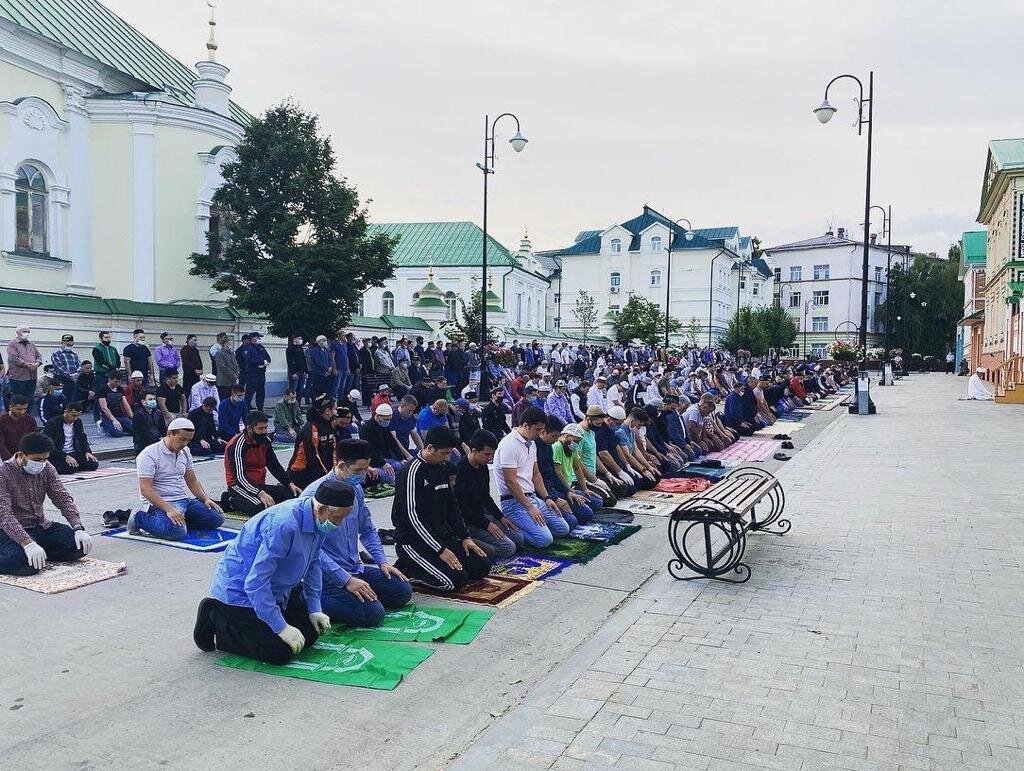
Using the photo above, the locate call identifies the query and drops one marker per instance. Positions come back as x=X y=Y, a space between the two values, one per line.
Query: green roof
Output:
x=974 y=244
x=429 y=302
x=442 y=244
x=76 y=303
x=90 y=28
x=407 y=322
x=368 y=322
x=37 y=301
x=1008 y=153
x=175 y=311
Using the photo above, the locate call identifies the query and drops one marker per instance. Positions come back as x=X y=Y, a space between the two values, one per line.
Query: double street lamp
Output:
x=668 y=271
x=518 y=142
x=824 y=114
x=887 y=232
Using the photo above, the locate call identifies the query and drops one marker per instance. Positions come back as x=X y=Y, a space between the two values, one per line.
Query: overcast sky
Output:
x=701 y=109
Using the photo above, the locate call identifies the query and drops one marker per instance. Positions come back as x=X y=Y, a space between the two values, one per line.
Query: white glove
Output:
x=321 y=622
x=36 y=555
x=292 y=637
x=83 y=541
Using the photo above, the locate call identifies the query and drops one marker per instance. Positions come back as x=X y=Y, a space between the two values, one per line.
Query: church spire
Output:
x=211 y=92
x=211 y=44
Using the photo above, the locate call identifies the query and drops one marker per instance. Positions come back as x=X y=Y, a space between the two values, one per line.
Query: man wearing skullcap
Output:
x=264 y=601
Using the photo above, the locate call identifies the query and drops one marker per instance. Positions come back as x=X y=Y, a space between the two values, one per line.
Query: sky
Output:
x=700 y=109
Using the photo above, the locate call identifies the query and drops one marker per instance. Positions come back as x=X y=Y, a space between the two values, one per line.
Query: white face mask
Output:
x=34 y=466
x=24 y=335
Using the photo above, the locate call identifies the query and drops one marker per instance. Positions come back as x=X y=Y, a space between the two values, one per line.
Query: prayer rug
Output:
x=379 y=491
x=567 y=549
x=237 y=516
x=613 y=515
x=194 y=540
x=657 y=497
x=497 y=591
x=800 y=414
x=706 y=473
x=413 y=624
x=359 y=663
x=100 y=473
x=780 y=427
x=530 y=568
x=58 y=577
x=747 y=450
x=650 y=508
x=689 y=485
x=604 y=532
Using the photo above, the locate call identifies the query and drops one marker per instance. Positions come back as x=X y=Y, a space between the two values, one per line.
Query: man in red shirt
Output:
x=796 y=387
x=383 y=396
x=247 y=458
x=14 y=424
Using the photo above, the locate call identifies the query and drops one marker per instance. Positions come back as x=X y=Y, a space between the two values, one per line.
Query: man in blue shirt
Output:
x=230 y=412
x=256 y=360
x=339 y=353
x=354 y=593
x=264 y=601
x=733 y=417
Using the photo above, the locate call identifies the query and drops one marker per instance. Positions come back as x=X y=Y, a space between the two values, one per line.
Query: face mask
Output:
x=141 y=341
x=298 y=341
x=326 y=526
x=356 y=479
x=236 y=399
x=68 y=346
x=289 y=401
x=151 y=403
x=34 y=466
x=193 y=343
x=384 y=423
x=24 y=335
x=58 y=392
x=323 y=344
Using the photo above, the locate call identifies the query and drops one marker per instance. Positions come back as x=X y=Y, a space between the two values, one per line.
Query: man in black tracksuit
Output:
x=433 y=544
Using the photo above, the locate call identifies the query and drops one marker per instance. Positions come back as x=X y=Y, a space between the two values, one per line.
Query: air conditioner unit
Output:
x=614 y=290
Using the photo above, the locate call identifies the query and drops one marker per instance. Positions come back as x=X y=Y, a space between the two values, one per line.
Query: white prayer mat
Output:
x=780 y=427
x=650 y=508
x=100 y=473
x=58 y=577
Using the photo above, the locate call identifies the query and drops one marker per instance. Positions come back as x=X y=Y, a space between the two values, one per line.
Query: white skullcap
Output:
x=181 y=424
x=354 y=394
x=384 y=409
x=616 y=412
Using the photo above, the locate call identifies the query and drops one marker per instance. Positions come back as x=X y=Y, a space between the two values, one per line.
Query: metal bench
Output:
x=746 y=499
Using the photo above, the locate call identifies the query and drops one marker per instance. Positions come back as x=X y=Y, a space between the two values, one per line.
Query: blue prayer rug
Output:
x=194 y=540
x=706 y=472
x=529 y=567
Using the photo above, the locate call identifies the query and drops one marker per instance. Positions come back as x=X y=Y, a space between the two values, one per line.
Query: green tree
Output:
x=928 y=329
x=642 y=320
x=744 y=332
x=298 y=250
x=585 y=312
x=694 y=330
x=468 y=329
x=776 y=325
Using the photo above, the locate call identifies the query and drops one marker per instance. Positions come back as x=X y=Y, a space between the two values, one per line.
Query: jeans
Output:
x=118 y=427
x=535 y=535
x=281 y=436
x=197 y=517
x=496 y=548
x=57 y=540
x=344 y=607
x=256 y=385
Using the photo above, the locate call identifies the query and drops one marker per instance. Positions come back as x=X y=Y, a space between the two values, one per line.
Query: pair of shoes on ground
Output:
x=116 y=518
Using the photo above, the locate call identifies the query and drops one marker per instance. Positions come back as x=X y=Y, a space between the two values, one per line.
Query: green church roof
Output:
x=91 y=29
x=442 y=244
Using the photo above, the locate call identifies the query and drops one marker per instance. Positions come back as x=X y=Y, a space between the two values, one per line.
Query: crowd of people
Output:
x=566 y=429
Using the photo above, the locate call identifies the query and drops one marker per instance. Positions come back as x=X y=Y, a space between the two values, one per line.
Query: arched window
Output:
x=449 y=300
x=655 y=277
x=616 y=246
x=656 y=243
x=30 y=210
x=218 y=225
x=389 y=304
x=616 y=279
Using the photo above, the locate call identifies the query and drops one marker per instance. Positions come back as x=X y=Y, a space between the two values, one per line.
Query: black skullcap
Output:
x=353 y=449
x=335 y=494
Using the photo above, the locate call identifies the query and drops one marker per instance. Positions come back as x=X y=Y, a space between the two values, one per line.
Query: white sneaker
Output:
x=99 y=424
x=132 y=528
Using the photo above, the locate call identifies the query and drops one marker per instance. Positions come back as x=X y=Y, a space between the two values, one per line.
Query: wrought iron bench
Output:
x=746 y=499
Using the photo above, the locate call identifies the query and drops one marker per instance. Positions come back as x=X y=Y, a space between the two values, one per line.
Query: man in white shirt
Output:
x=976 y=387
x=524 y=498
x=207 y=386
x=596 y=396
x=616 y=396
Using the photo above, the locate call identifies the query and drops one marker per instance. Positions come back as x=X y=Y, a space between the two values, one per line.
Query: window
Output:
x=878 y=274
x=616 y=246
x=529 y=312
x=361 y=308
x=557 y=323
x=656 y=243
x=777 y=298
x=449 y=300
x=519 y=310
x=558 y=297
x=819 y=323
x=388 y=304
x=820 y=297
x=795 y=272
x=614 y=309
x=743 y=283
x=756 y=291
x=818 y=349
x=616 y=280
x=821 y=272
x=778 y=275
x=655 y=277
x=30 y=210
x=794 y=299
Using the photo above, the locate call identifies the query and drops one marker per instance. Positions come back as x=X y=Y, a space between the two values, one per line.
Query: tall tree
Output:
x=298 y=250
x=694 y=330
x=744 y=332
x=926 y=322
x=642 y=319
x=777 y=326
x=468 y=329
x=585 y=312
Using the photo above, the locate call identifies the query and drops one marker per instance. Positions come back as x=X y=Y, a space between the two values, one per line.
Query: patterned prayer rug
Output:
x=747 y=450
x=497 y=591
x=100 y=473
x=530 y=568
x=781 y=427
x=635 y=505
x=59 y=577
x=195 y=540
x=567 y=549
x=413 y=624
x=658 y=497
x=682 y=485
x=604 y=532
x=379 y=491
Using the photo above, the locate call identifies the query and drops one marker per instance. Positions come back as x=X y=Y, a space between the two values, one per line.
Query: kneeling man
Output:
x=264 y=601
x=354 y=593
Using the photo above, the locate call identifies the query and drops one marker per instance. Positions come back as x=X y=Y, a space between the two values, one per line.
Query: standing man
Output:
x=106 y=360
x=138 y=357
x=321 y=363
x=339 y=354
x=226 y=364
x=298 y=369
x=256 y=361
x=66 y=366
x=27 y=537
x=264 y=602
x=23 y=362
x=166 y=356
x=71 y=450
x=191 y=363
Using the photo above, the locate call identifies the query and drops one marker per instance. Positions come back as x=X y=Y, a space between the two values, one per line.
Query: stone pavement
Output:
x=884 y=631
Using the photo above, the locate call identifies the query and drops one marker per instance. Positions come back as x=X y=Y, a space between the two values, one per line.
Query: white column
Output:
x=7 y=215
x=143 y=212
x=81 y=213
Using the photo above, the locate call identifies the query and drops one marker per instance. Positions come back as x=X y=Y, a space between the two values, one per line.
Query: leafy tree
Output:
x=928 y=329
x=642 y=319
x=694 y=330
x=468 y=329
x=298 y=250
x=777 y=326
x=585 y=312
x=744 y=332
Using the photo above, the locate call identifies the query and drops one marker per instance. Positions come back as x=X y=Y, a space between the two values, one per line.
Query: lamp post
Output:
x=518 y=142
x=711 y=295
x=782 y=286
x=668 y=270
x=824 y=114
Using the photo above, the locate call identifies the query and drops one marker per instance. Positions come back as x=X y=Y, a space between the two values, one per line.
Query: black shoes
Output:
x=202 y=634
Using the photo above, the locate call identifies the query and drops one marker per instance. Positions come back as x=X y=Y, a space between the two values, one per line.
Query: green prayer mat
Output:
x=339 y=661
x=413 y=624
x=566 y=548
x=626 y=532
x=379 y=491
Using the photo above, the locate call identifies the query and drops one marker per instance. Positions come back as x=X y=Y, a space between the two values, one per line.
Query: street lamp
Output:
x=782 y=286
x=711 y=294
x=668 y=271
x=518 y=142
x=824 y=114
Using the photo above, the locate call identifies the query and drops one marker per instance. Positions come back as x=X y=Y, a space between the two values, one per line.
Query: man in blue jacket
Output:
x=256 y=360
x=264 y=601
x=321 y=367
x=733 y=417
x=339 y=352
x=230 y=413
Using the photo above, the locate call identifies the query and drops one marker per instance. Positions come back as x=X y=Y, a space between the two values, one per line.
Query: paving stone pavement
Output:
x=884 y=631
